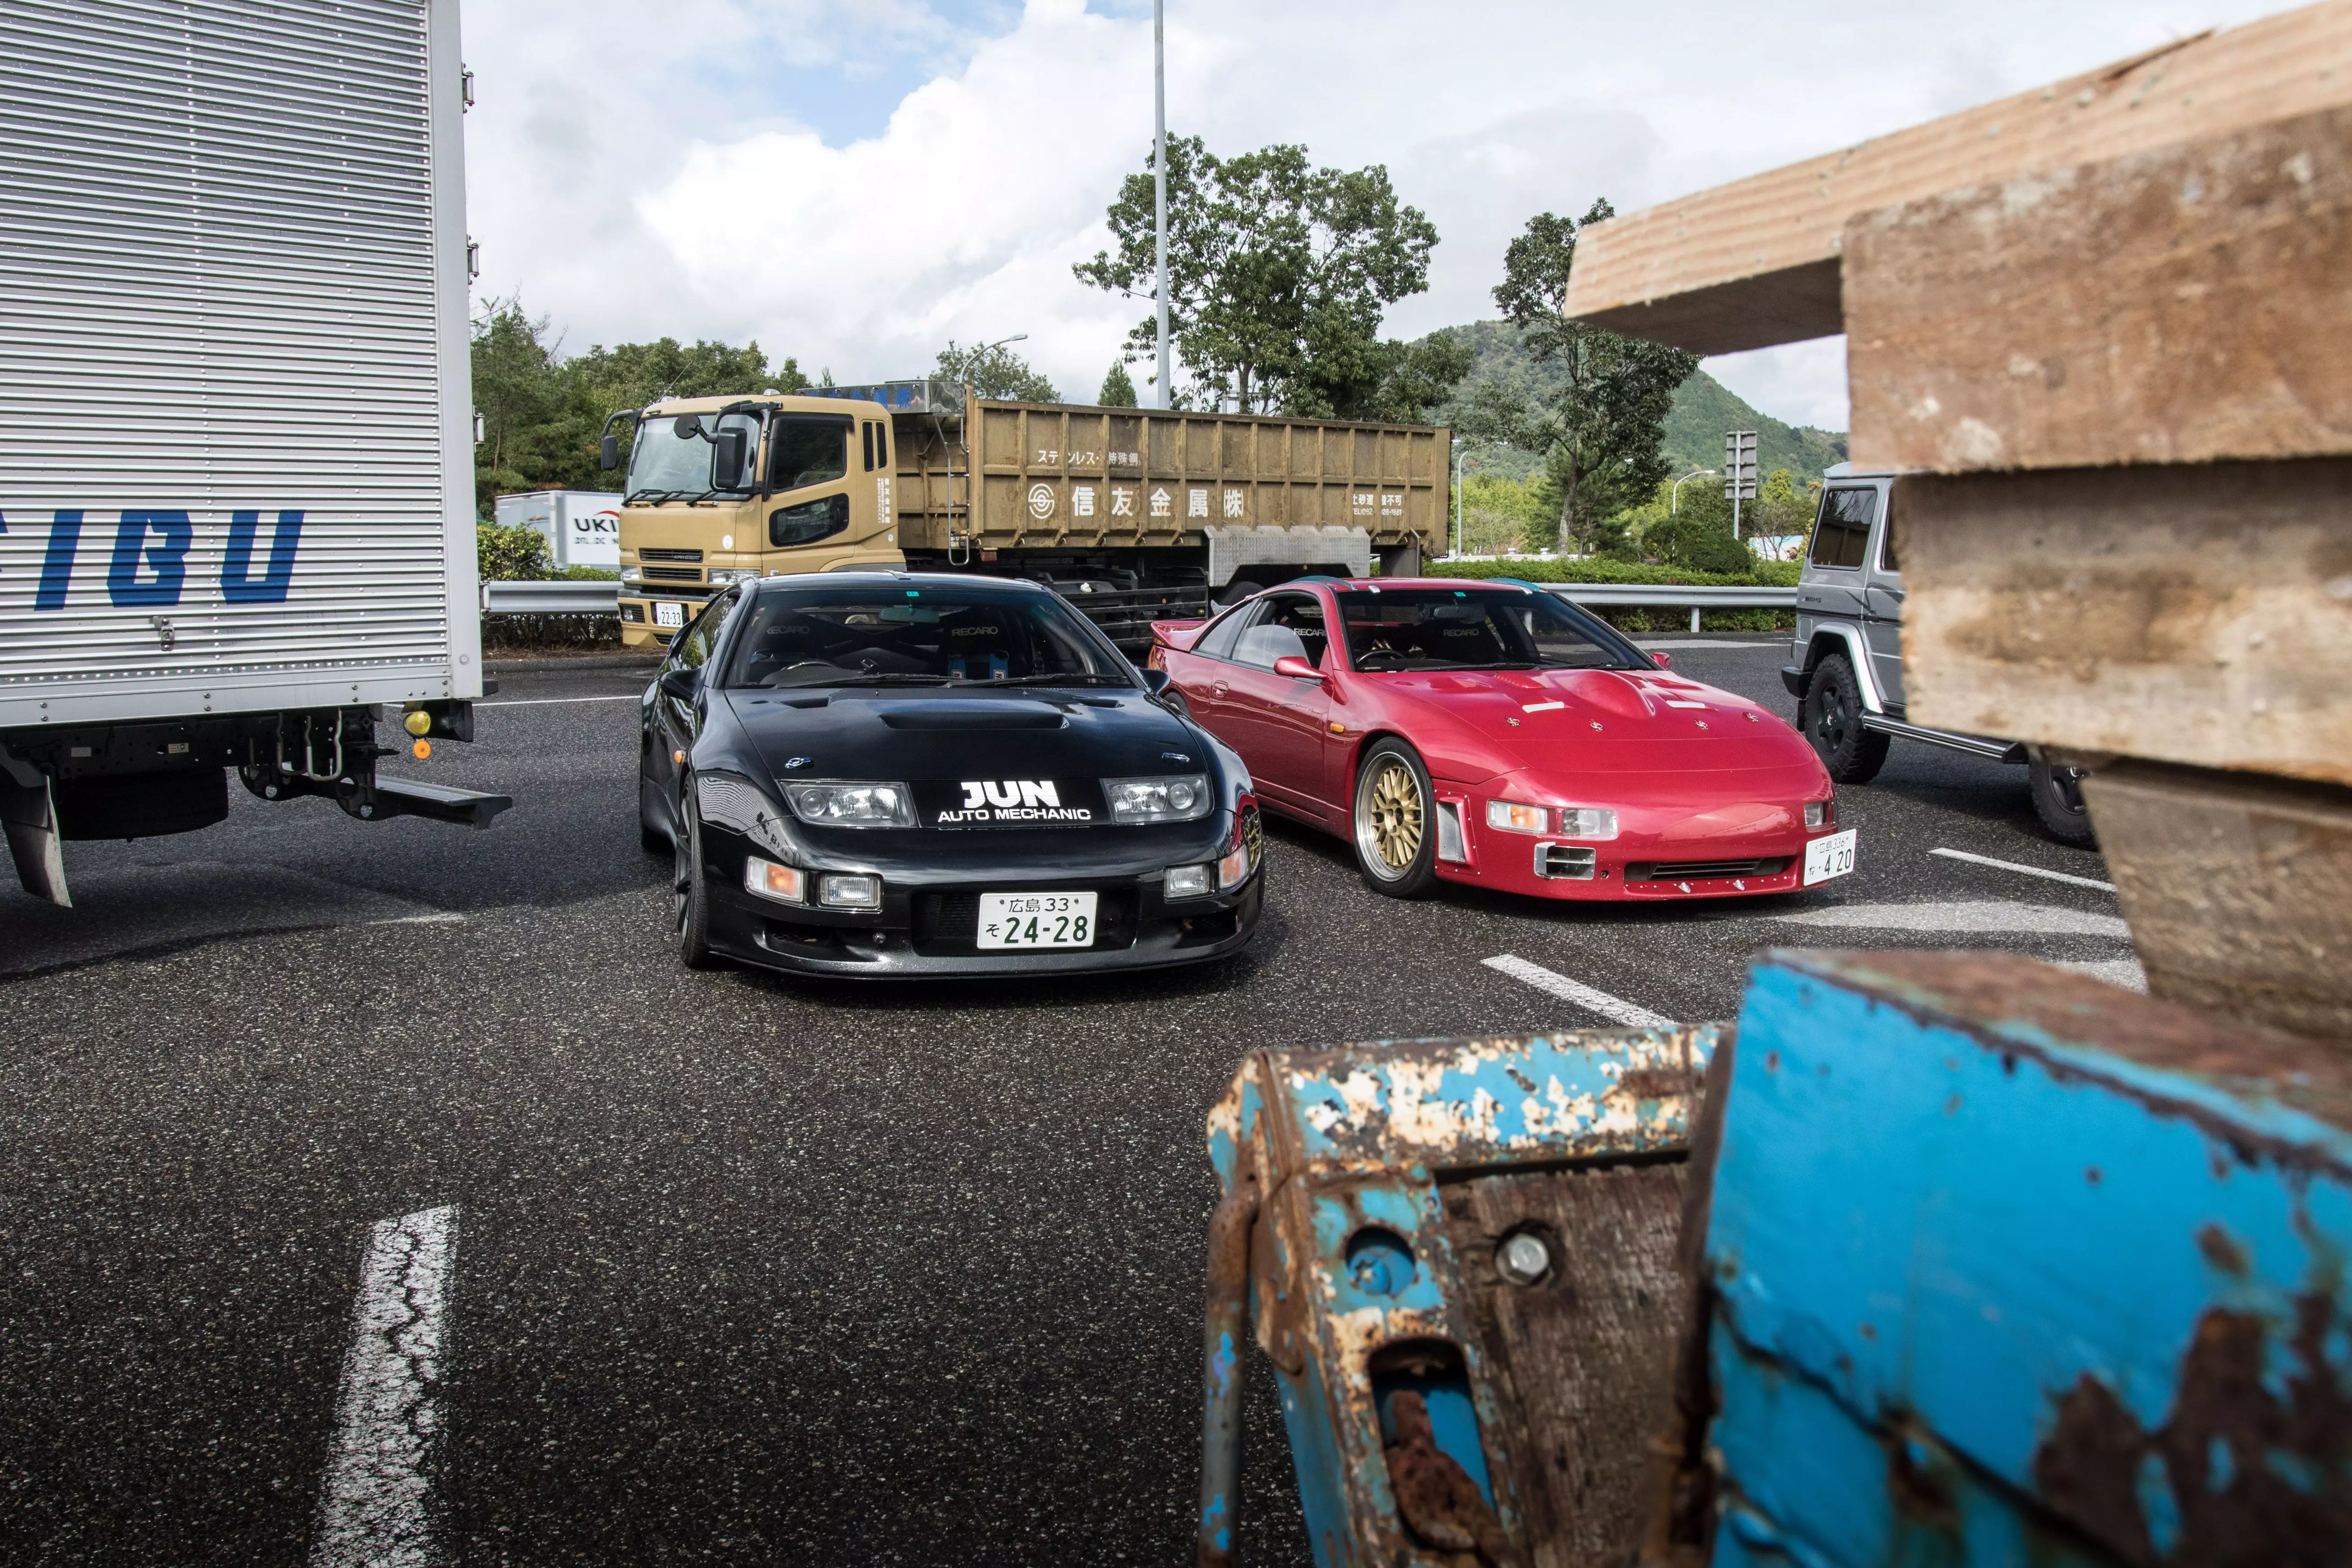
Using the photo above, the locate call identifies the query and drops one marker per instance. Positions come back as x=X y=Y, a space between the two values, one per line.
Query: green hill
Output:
x=1705 y=409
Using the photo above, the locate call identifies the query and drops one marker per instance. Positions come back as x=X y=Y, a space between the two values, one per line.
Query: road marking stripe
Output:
x=388 y=1413
x=2004 y=915
x=445 y=918
x=550 y=702
x=1583 y=995
x=2029 y=870
x=2124 y=972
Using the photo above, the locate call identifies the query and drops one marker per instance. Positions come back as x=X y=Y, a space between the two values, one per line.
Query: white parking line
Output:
x=2124 y=972
x=388 y=1414
x=445 y=918
x=1985 y=915
x=551 y=701
x=1583 y=995
x=2029 y=870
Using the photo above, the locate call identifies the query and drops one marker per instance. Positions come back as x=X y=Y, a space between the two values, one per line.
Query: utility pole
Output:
x=1160 y=175
x=1739 y=471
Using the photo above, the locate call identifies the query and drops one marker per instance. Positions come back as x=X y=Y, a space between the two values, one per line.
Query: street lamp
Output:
x=1460 y=452
x=1023 y=337
x=1676 y=505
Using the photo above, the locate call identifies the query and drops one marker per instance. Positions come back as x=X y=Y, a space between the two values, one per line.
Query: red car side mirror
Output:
x=1665 y=660
x=1298 y=668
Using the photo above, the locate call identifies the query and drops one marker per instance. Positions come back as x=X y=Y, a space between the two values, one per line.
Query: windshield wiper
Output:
x=1059 y=681
x=876 y=678
x=656 y=496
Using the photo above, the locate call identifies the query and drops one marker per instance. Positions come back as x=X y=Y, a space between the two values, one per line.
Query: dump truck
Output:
x=1133 y=515
x=235 y=523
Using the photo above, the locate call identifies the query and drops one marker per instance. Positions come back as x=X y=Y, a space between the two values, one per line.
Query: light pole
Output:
x=1676 y=507
x=1460 y=452
x=1160 y=176
x=1015 y=338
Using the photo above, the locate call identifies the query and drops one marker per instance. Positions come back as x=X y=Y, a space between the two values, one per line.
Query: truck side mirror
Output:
x=727 y=460
x=608 y=453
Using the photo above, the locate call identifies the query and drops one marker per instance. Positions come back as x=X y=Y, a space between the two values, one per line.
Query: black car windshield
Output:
x=946 y=635
x=1471 y=628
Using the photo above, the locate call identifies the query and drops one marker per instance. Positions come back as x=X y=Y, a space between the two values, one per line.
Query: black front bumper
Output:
x=1792 y=676
x=926 y=925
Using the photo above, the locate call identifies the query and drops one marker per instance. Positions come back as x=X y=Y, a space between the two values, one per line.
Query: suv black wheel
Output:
x=1395 y=822
x=690 y=901
x=2057 y=792
x=1832 y=719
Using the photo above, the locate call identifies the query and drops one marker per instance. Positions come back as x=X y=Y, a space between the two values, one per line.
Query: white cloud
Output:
x=855 y=182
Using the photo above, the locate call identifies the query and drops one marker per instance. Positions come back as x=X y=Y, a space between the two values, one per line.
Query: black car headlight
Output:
x=1183 y=797
x=852 y=805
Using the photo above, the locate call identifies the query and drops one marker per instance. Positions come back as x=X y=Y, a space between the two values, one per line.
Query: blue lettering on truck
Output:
x=150 y=563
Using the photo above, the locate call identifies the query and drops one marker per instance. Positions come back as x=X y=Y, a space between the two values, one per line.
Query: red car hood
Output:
x=1609 y=722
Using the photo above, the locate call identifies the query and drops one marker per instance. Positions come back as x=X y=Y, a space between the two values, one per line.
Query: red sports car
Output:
x=1489 y=733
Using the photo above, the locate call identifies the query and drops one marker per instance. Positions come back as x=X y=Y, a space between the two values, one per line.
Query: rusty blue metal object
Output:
x=2008 y=1266
x=1357 y=1238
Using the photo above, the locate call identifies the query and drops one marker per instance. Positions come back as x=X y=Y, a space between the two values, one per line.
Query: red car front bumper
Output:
x=1722 y=849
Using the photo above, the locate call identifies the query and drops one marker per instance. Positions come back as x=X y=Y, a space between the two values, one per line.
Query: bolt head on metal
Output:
x=1523 y=1259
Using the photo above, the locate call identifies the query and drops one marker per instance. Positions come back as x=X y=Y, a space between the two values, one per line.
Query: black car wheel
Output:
x=1395 y=822
x=689 y=902
x=1832 y=722
x=2057 y=792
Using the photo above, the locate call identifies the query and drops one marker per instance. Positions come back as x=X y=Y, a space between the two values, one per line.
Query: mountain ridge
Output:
x=1704 y=411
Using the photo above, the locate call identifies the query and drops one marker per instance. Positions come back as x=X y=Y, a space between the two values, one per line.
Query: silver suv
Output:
x=1847 y=674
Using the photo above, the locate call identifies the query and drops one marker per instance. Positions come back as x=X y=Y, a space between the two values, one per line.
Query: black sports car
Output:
x=896 y=773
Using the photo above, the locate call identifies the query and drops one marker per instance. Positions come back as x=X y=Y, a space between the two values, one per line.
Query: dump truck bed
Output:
x=1021 y=476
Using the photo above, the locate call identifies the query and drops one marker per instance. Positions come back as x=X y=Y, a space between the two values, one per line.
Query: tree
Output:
x=1117 y=388
x=1277 y=275
x=992 y=370
x=541 y=413
x=1602 y=431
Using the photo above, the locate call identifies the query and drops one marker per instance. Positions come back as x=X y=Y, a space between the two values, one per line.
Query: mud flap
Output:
x=30 y=817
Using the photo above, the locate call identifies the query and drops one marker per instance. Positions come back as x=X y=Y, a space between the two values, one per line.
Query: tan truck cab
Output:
x=720 y=489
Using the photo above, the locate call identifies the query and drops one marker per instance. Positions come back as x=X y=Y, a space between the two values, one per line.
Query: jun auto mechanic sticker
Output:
x=1010 y=803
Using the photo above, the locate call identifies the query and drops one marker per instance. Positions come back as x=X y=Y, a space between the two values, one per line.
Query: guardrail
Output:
x=589 y=598
x=1676 y=596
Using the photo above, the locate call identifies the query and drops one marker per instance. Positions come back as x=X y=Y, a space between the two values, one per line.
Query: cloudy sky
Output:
x=856 y=182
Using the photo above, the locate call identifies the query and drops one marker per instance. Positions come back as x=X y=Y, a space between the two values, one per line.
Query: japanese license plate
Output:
x=1036 y=919
x=668 y=613
x=1830 y=857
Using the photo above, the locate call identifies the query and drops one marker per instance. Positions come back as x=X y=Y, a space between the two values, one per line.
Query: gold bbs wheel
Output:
x=1392 y=820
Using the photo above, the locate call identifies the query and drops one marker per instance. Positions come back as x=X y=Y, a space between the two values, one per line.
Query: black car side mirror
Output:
x=608 y=453
x=1155 y=682
x=681 y=683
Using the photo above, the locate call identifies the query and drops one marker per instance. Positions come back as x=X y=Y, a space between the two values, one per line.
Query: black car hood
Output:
x=918 y=738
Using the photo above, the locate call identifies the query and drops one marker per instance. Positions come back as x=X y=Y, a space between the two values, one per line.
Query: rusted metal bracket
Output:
x=1423 y=1233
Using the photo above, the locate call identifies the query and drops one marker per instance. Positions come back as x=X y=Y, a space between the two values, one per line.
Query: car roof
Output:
x=916 y=580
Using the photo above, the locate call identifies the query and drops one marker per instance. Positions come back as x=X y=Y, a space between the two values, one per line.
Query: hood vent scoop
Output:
x=972 y=714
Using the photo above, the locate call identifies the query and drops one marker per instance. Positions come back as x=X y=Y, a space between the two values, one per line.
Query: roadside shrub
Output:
x=507 y=554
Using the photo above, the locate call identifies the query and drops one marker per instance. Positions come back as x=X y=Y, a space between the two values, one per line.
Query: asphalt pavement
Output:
x=723 y=1267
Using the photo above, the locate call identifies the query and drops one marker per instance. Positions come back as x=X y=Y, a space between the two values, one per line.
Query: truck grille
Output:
x=671 y=574
x=1692 y=870
x=669 y=555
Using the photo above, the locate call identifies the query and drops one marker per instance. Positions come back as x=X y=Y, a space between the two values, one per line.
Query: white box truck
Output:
x=582 y=528
x=236 y=465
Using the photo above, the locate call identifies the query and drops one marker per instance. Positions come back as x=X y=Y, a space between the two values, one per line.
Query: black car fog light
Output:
x=1188 y=882
x=850 y=891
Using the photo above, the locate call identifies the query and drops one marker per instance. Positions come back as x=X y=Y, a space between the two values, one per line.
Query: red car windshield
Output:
x=1443 y=629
